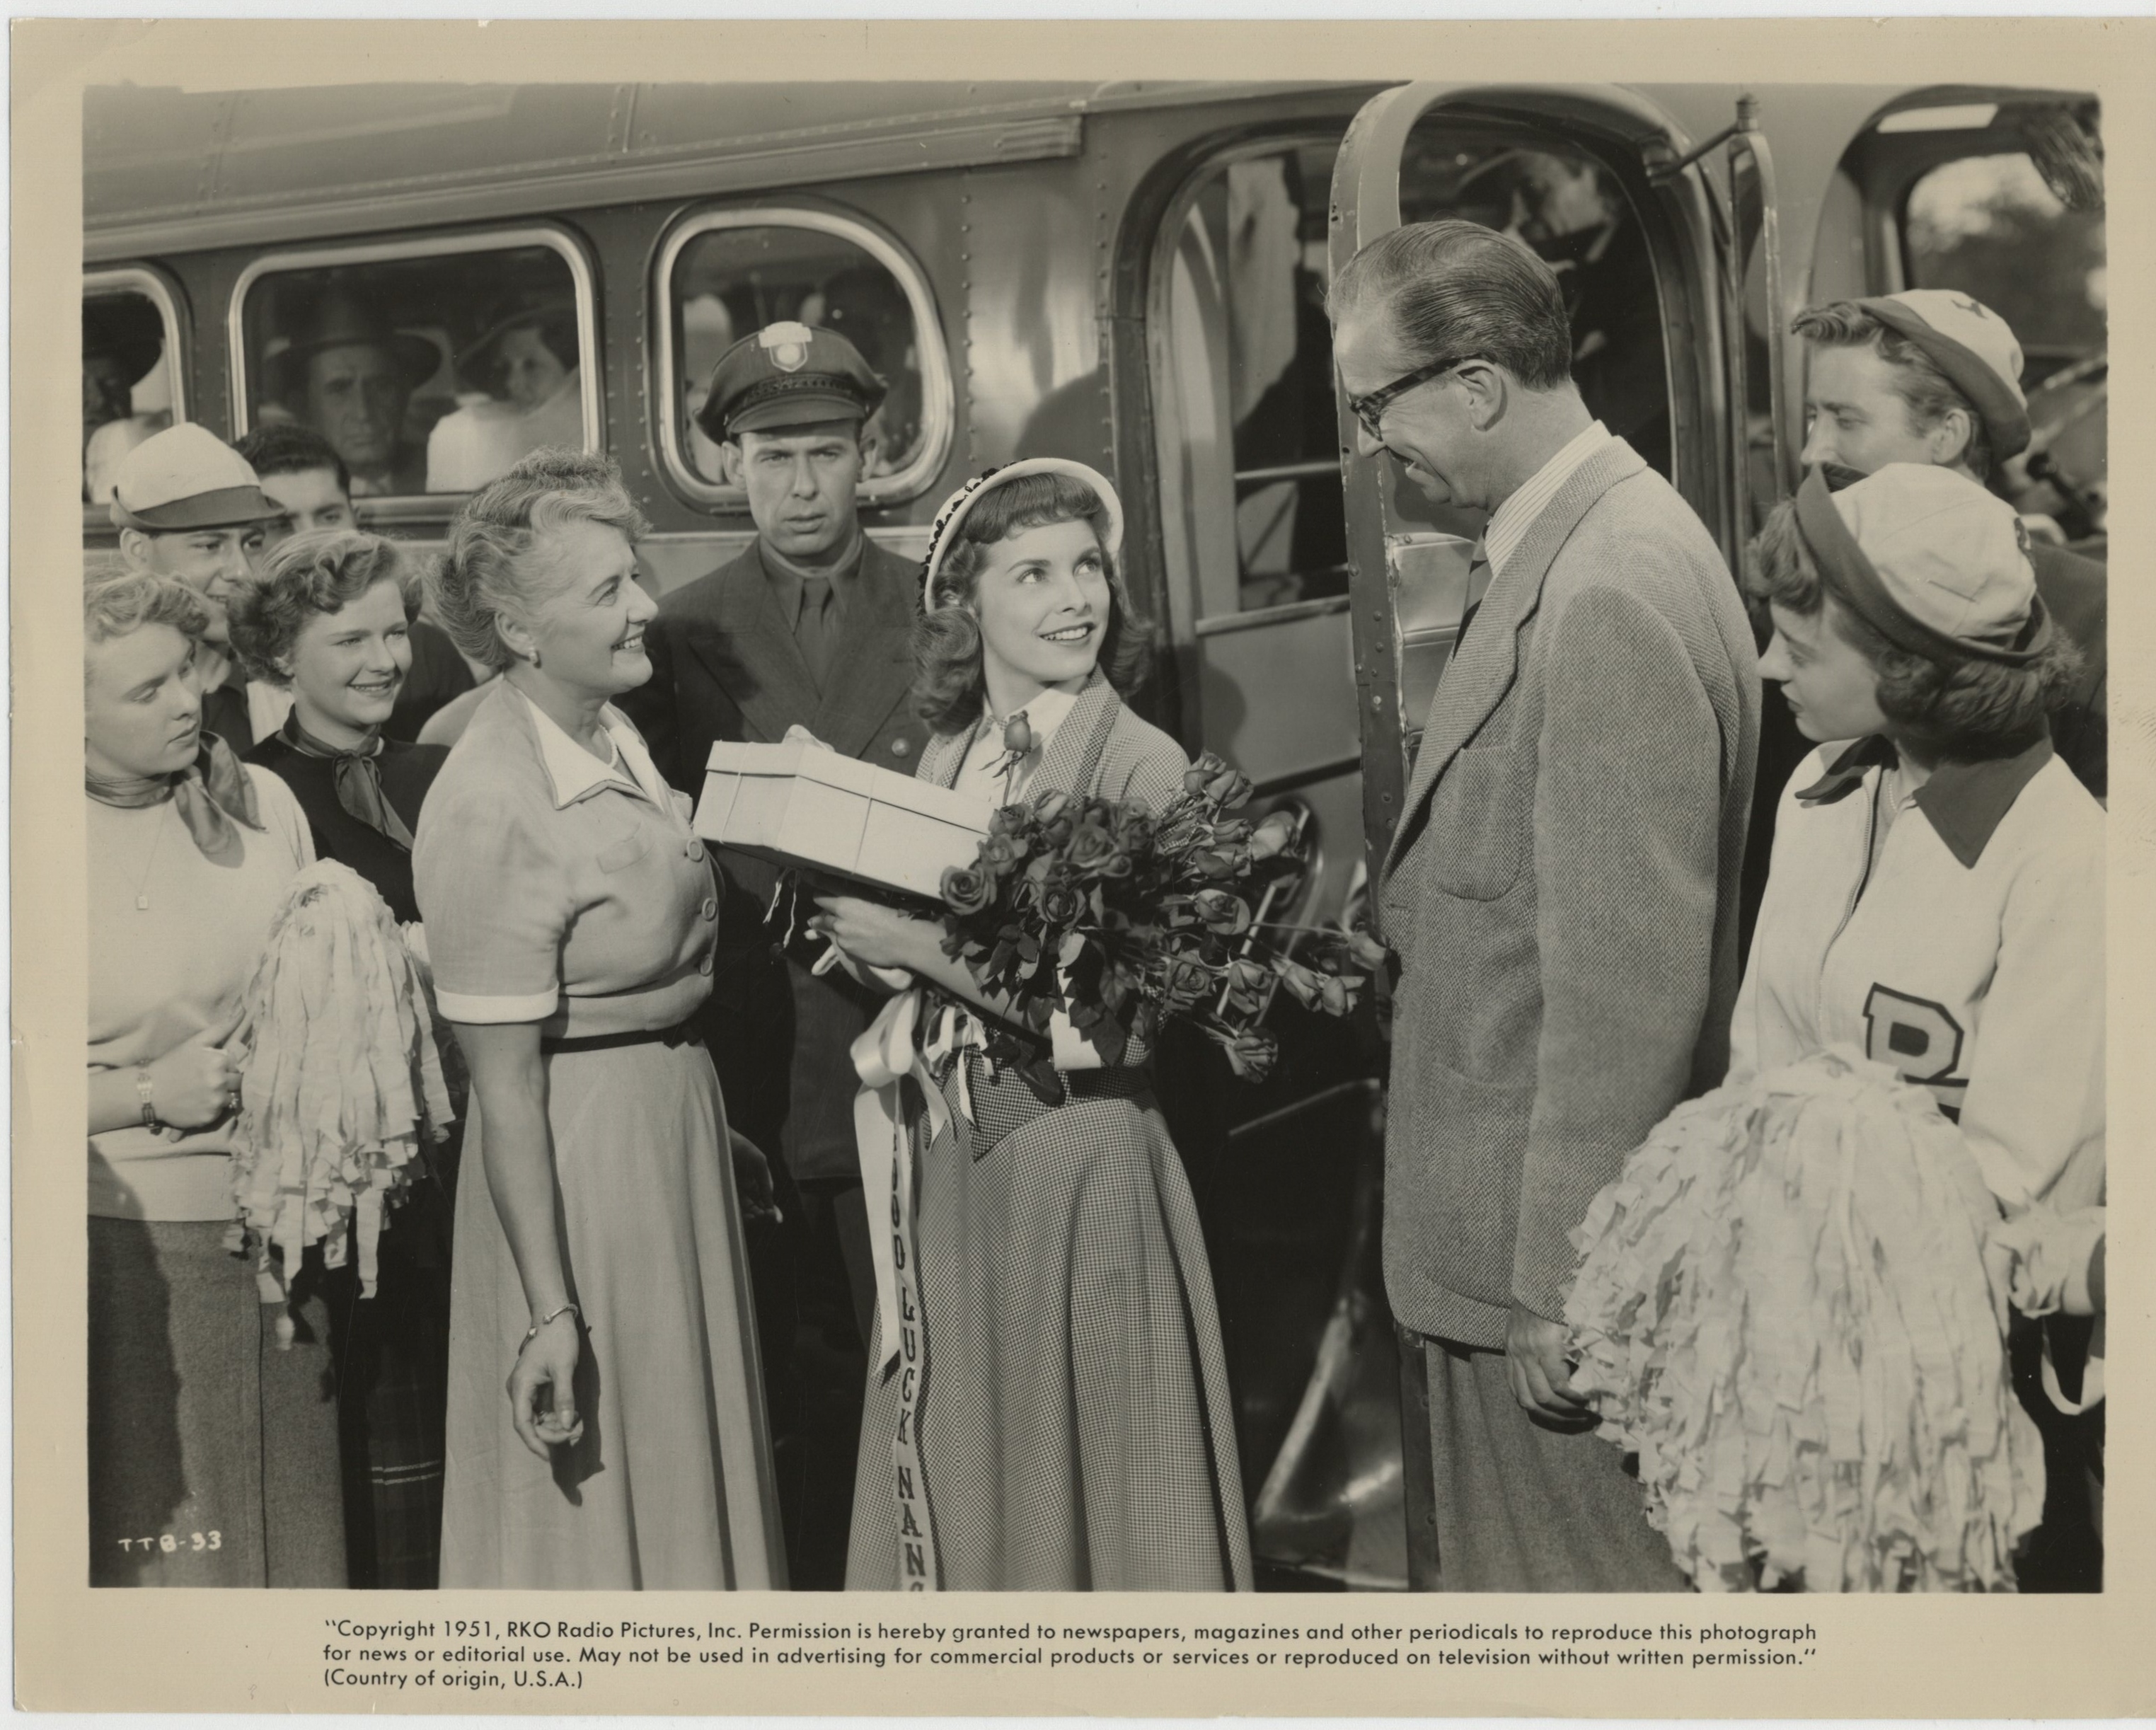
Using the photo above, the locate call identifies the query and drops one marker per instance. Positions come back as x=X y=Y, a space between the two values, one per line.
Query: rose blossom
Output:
x=965 y=888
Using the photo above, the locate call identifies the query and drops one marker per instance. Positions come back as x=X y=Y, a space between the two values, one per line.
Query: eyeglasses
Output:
x=1370 y=409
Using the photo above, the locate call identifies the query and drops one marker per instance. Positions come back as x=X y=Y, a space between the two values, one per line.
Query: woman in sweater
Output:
x=1936 y=895
x=213 y=1454
x=328 y=620
x=1058 y=1421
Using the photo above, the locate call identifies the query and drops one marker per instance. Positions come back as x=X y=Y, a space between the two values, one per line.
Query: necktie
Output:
x=1478 y=585
x=358 y=778
x=210 y=794
x=817 y=628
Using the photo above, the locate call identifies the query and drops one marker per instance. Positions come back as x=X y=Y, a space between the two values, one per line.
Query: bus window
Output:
x=430 y=366
x=130 y=343
x=1990 y=227
x=727 y=275
x=1250 y=277
x=1995 y=226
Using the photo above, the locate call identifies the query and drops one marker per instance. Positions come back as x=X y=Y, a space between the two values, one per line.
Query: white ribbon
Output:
x=884 y=1056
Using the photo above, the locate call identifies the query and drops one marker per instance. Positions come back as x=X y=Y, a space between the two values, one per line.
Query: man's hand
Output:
x=1539 y=1371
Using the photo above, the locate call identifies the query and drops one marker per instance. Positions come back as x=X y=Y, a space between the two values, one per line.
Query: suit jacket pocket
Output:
x=1480 y=822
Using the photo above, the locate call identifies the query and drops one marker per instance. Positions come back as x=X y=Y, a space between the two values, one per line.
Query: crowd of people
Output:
x=660 y=1322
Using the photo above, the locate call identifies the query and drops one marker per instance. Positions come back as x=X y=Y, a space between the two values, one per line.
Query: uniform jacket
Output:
x=726 y=666
x=1969 y=957
x=1563 y=892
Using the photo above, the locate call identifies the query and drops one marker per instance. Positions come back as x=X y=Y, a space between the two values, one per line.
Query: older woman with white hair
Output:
x=570 y=914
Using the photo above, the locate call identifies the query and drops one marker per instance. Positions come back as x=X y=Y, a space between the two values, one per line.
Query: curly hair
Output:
x=948 y=692
x=1927 y=393
x=488 y=573
x=118 y=599
x=306 y=576
x=1963 y=710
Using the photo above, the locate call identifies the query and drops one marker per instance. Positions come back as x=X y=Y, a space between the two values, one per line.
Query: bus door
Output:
x=1610 y=189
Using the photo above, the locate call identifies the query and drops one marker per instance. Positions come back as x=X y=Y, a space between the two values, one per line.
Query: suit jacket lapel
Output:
x=1487 y=663
x=750 y=650
x=872 y=669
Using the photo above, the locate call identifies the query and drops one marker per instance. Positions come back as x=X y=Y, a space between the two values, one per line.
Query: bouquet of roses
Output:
x=1121 y=919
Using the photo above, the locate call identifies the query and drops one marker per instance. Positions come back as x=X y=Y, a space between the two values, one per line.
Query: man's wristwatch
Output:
x=146 y=1096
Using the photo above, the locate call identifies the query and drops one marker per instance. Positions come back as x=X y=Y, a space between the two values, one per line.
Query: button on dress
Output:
x=561 y=891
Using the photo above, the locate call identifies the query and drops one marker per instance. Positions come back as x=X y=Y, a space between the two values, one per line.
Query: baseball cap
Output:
x=1974 y=346
x=188 y=478
x=1930 y=559
x=788 y=374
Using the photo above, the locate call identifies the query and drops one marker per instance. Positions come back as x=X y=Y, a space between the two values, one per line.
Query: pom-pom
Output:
x=1783 y=1308
x=342 y=1080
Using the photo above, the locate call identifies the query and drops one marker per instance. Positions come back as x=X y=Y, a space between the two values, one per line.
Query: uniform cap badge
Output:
x=787 y=344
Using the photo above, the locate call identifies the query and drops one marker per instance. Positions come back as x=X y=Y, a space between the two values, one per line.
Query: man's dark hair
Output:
x=286 y=448
x=1926 y=391
x=1457 y=288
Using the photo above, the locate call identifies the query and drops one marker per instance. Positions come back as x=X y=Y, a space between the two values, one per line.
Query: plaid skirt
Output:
x=1075 y=1430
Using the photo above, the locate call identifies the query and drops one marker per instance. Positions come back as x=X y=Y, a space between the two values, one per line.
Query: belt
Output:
x=682 y=1033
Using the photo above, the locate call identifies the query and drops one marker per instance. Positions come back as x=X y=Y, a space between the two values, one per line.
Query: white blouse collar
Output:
x=575 y=771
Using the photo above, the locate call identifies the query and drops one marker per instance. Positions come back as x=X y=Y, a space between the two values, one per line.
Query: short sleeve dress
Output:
x=1059 y=1420
x=561 y=891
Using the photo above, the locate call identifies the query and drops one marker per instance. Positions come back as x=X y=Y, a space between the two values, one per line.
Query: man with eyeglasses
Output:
x=1561 y=890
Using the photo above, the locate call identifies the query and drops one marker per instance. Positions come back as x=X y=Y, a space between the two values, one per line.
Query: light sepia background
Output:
x=259 y=1652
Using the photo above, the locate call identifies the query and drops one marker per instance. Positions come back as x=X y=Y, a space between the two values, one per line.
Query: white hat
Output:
x=188 y=478
x=1930 y=559
x=945 y=535
x=1974 y=346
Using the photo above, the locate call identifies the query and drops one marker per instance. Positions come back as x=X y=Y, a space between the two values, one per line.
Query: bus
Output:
x=1131 y=275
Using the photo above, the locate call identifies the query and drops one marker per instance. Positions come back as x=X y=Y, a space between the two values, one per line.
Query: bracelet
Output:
x=143 y=1093
x=531 y=1332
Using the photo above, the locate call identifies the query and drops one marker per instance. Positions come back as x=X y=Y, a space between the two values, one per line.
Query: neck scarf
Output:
x=210 y=793
x=359 y=778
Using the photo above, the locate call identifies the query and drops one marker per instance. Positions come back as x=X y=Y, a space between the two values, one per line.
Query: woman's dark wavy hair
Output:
x=1965 y=711
x=307 y=576
x=947 y=691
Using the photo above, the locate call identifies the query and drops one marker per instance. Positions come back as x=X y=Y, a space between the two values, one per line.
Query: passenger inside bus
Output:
x=524 y=390
x=1568 y=208
x=351 y=377
x=126 y=398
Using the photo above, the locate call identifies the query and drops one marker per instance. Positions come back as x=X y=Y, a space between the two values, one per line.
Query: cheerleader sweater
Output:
x=1969 y=955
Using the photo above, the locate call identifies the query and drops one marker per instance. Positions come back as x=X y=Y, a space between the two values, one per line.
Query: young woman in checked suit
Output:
x=1048 y=1404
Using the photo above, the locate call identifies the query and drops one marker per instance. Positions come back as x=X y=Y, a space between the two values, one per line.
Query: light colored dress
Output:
x=1066 y=1387
x=558 y=890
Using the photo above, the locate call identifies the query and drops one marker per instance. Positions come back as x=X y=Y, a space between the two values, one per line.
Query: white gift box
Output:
x=800 y=804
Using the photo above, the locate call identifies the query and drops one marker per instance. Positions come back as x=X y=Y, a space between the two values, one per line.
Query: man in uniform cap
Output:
x=188 y=506
x=1931 y=376
x=809 y=627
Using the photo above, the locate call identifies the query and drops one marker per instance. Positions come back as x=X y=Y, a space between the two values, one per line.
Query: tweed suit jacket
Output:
x=1563 y=892
x=725 y=666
